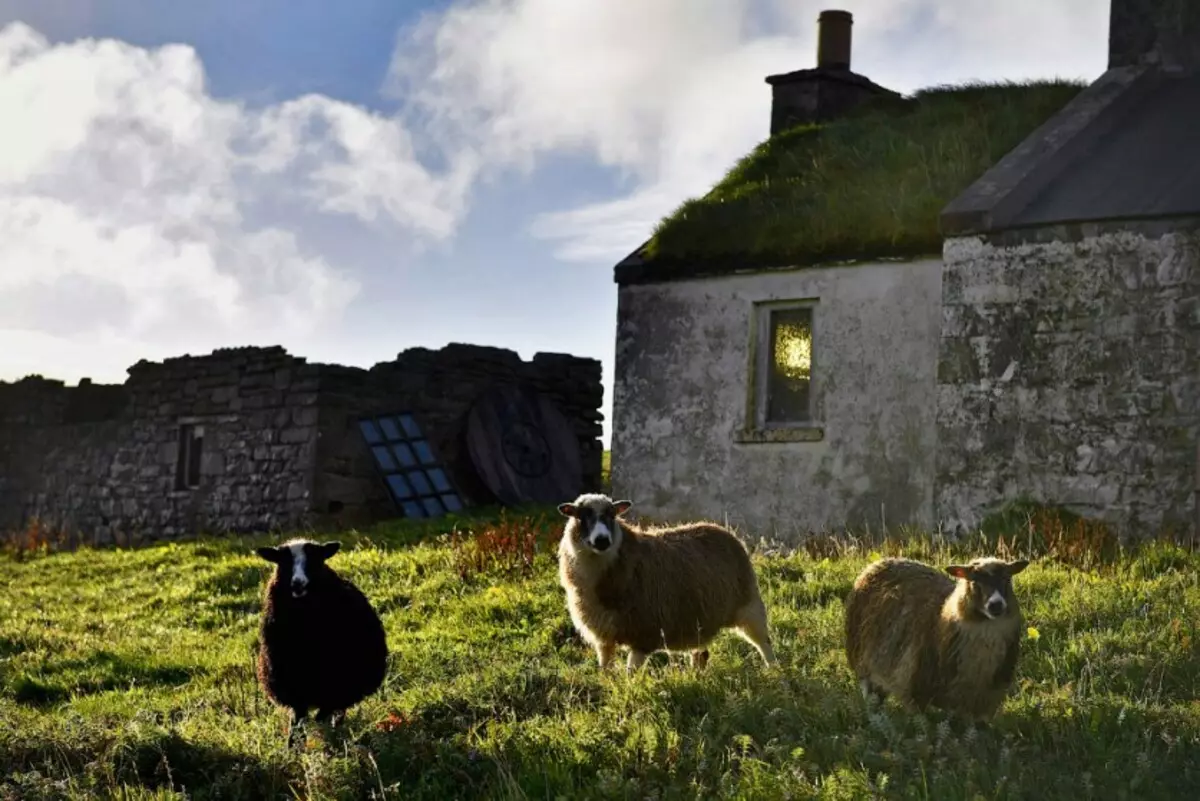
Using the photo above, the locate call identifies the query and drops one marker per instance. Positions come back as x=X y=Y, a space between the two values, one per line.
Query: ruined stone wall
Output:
x=109 y=473
x=681 y=449
x=1069 y=372
x=281 y=448
x=439 y=389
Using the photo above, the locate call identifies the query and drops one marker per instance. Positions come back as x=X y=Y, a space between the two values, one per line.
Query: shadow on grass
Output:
x=156 y=759
x=98 y=672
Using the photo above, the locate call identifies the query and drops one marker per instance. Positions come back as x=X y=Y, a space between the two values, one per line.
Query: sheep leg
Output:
x=752 y=625
x=700 y=659
x=332 y=715
x=298 y=717
x=636 y=660
x=872 y=693
x=604 y=653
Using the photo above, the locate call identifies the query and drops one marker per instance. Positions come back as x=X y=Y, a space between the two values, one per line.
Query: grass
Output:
x=868 y=186
x=127 y=673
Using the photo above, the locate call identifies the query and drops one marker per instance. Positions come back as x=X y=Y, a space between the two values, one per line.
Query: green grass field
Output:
x=128 y=674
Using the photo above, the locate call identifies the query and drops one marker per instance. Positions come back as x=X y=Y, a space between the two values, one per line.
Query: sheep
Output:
x=914 y=632
x=670 y=589
x=321 y=644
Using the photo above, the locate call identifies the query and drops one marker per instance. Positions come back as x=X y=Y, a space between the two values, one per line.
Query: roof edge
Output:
x=994 y=199
x=636 y=270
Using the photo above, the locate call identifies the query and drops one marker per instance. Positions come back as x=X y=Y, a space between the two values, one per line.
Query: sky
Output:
x=352 y=179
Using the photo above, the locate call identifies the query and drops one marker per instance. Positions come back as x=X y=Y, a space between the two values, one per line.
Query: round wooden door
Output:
x=523 y=448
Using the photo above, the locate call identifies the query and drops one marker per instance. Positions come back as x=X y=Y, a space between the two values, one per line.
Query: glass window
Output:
x=789 y=366
x=384 y=457
x=410 y=426
x=370 y=431
x=438 y=476
x=423 y=451
x=419 y=482
x=390 y=430
x=404 y=455
x=399 y=486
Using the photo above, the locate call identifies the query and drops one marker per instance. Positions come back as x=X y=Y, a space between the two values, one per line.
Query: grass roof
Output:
x=871 y=185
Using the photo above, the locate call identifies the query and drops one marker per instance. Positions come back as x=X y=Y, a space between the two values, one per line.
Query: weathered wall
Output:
x=282 y=449
x=1069 y=372
x=680 y=395
x=439 y=388
x=110 y=473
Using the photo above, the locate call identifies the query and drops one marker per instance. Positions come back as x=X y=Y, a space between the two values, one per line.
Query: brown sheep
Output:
x=914 y=632
x=670 y=589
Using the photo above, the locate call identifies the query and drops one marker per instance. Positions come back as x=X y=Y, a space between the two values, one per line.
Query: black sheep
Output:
x=321 y=644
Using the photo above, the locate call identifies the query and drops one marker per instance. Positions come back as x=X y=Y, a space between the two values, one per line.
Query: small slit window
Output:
x=188 y=459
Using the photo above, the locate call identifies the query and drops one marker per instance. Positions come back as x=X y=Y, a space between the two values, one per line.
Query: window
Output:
x=783 y=404
x=187 y=461
x=419 y=485
x=789 y=366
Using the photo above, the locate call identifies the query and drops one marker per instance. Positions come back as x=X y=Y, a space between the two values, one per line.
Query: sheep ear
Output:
x=622 y=507
x=328 y=549
x=959 y=571
x=567 y=510
x=1017 y=566
x=268 y=553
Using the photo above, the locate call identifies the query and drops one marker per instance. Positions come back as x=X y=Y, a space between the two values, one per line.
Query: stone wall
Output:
x=109 y=472
x=1069 y=372
x=281 y=446
x=680 y=447
x=439 y=388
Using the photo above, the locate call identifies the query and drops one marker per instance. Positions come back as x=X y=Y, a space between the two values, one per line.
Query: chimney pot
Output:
x=833 y=39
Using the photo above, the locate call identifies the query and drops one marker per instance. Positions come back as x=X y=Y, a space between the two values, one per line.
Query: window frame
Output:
x=757 y=428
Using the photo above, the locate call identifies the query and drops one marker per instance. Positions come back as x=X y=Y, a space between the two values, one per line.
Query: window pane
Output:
x=369 y=431
x=433 y=507
x=399 y=486
x=389 y=428
x=438 y=476
x=423 y=451
x=789 y=366
x=451 y=502
x=417 y=478
x=384 y=457
x=404 y=455
x=413 y=509
x=410 y=426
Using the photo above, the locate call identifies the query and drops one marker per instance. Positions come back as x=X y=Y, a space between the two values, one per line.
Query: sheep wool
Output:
x=669 y=589
x=948 y=639
x=321 y=644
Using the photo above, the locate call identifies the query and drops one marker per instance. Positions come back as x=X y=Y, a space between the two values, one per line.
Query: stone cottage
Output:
x=838 y=335
x=252 y=439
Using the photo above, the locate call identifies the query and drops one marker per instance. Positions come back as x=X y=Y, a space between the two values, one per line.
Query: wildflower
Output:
x=1032 y=633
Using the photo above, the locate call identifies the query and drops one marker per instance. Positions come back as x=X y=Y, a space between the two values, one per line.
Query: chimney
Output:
x=833 y=40
x=1162 y=33
x=829 y=90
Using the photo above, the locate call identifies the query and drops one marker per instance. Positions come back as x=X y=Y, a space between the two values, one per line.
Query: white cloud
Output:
x=139 y=216
x=672 y=91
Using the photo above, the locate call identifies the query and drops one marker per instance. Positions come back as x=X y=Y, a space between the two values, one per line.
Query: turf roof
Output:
x=867 y=186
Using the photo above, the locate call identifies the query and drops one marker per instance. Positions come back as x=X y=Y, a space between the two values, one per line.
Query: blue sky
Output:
x=351 y=179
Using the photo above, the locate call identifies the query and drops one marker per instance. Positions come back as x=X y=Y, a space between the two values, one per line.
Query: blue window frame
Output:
x=419 y=485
